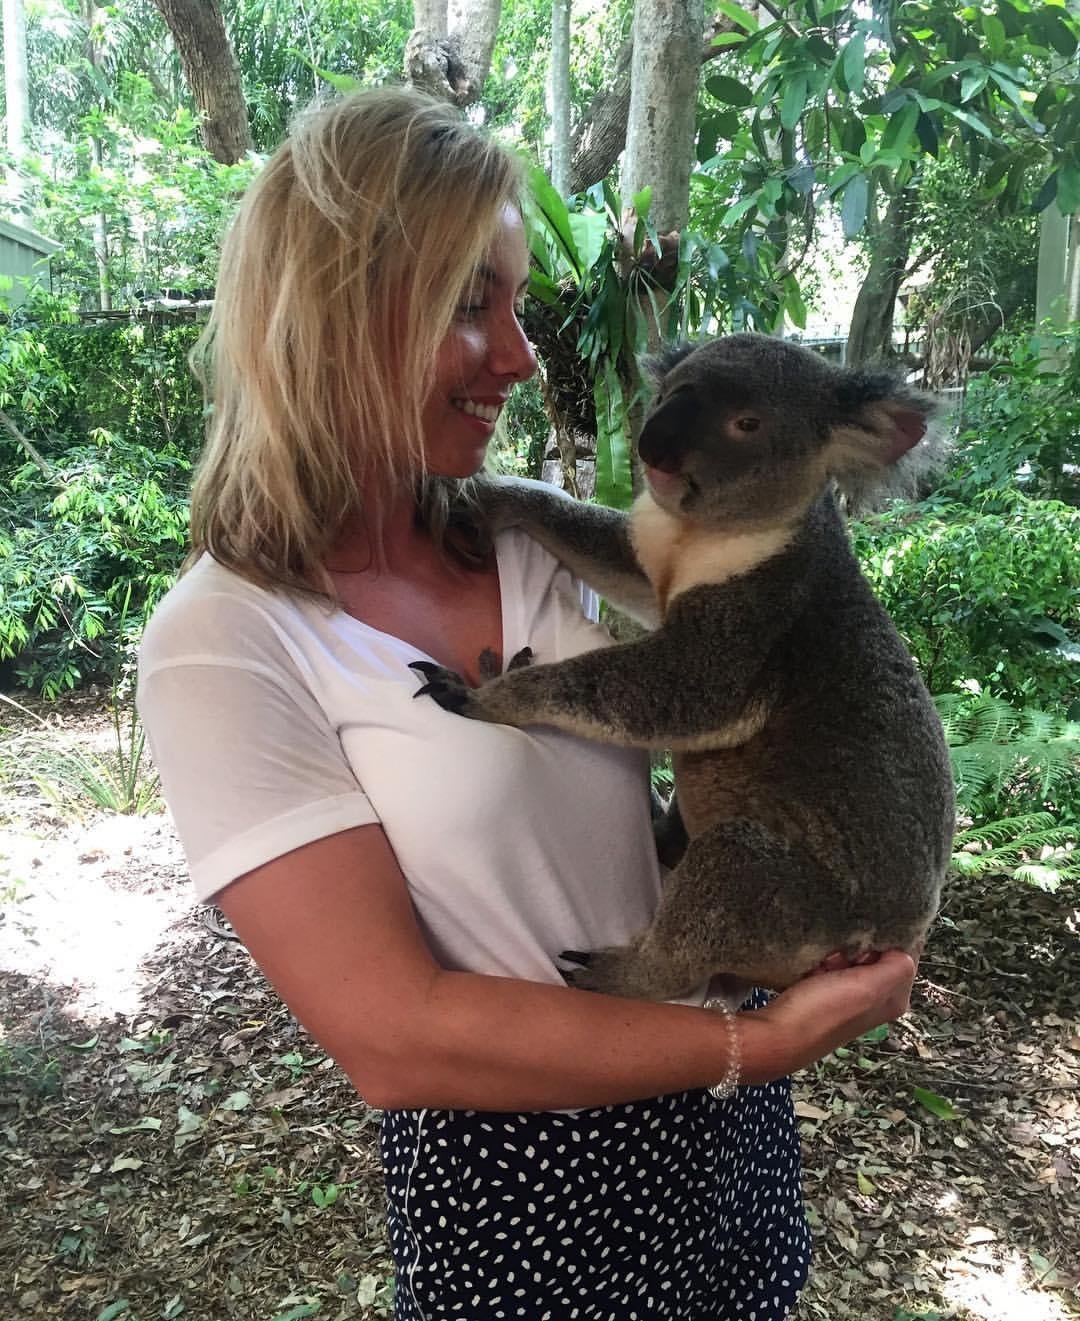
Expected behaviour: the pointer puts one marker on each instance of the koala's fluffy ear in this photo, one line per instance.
(884, 443)
(657, 365)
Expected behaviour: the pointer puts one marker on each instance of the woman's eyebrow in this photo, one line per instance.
(489, 275)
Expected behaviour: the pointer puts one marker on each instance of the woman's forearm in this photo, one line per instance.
(493, 1043)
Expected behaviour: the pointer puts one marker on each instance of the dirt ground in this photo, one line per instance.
(173, 1145)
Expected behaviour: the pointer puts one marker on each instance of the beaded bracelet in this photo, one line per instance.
(729, 1083)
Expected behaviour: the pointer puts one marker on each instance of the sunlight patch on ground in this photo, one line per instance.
(999, 1290)
(89, 904)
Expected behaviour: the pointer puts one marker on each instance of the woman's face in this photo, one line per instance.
(485, 353)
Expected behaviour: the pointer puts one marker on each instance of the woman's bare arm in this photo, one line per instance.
(332, 927)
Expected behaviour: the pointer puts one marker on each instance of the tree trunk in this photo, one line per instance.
(16, 93)
(870, 334)
(212, 74)
(601, 135)
(449, 50)
(101, 239)
(560, 95)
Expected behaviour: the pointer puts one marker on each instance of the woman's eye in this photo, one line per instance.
(470, 311)
(748, 423)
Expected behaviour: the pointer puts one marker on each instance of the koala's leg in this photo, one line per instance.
(742, 902)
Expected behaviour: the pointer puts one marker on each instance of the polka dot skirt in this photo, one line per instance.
(683, 1207)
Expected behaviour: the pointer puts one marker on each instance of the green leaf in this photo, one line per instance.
(793, 303)
(729, 39)
(972, 121)
(340, 82)
(994, 30)
(1068, 189)
(1058, 33)
(795, 94)
(299, 1311)
(641, 202)
(853, 64)
(973, 82)
(737, 15)
(113, 1310)
(737, 210)
(900, 128)
(729, 90)
(927, 134)
(853, 210)
(551, 210)
(589, 229)
(614, 485)
(840, 177)
(866, 1187)
(1009, 90)
(1046, 193)
(937, 1105)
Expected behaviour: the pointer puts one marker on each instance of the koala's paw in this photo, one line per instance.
(444, 686)
(489, 664)
(613, 971)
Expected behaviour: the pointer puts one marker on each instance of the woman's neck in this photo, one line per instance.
(404, 542)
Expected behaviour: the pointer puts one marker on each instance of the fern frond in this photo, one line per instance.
(1031, 848)
(998, 750)
(993, 833)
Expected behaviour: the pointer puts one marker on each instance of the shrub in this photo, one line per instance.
(987, 591)
(98, 428)
(1020, 425)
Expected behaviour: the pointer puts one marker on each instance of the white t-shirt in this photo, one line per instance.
(275, 720)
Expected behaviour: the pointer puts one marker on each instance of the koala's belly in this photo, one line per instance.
(727, 785)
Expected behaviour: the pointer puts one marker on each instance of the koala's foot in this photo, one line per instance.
(490, 663)
(621, 970)
(446, 687)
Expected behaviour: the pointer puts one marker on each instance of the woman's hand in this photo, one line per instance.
(823, 1011)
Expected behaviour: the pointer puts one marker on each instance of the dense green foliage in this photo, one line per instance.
(1020, 424)
(987, 591)
(95, 520)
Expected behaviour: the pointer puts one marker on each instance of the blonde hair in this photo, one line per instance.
(339, 279)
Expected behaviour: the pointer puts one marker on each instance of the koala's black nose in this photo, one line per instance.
(668, 433)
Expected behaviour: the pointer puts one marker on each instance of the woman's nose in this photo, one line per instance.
(511, 354)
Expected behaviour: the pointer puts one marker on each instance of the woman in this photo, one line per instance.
(404, 877)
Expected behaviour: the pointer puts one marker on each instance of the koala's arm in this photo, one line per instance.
(591, 540)
(671, 689)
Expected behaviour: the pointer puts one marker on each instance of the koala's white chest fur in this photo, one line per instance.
(677, 554)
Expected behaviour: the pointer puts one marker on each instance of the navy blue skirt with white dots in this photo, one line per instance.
(681, 1207)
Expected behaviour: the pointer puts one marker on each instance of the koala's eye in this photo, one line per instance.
(748, 422)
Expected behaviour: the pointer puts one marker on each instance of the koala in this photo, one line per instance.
(811, 773)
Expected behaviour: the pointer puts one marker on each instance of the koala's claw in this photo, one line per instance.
(520, 659)
(445, 687)
(578, 977)
(581, 957)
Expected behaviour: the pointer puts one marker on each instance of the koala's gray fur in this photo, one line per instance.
(811, 771)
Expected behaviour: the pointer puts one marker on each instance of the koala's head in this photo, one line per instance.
(749, 429)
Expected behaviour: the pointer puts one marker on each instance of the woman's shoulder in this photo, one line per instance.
(214, 613)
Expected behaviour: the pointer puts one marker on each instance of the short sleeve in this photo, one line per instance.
(250, 766)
